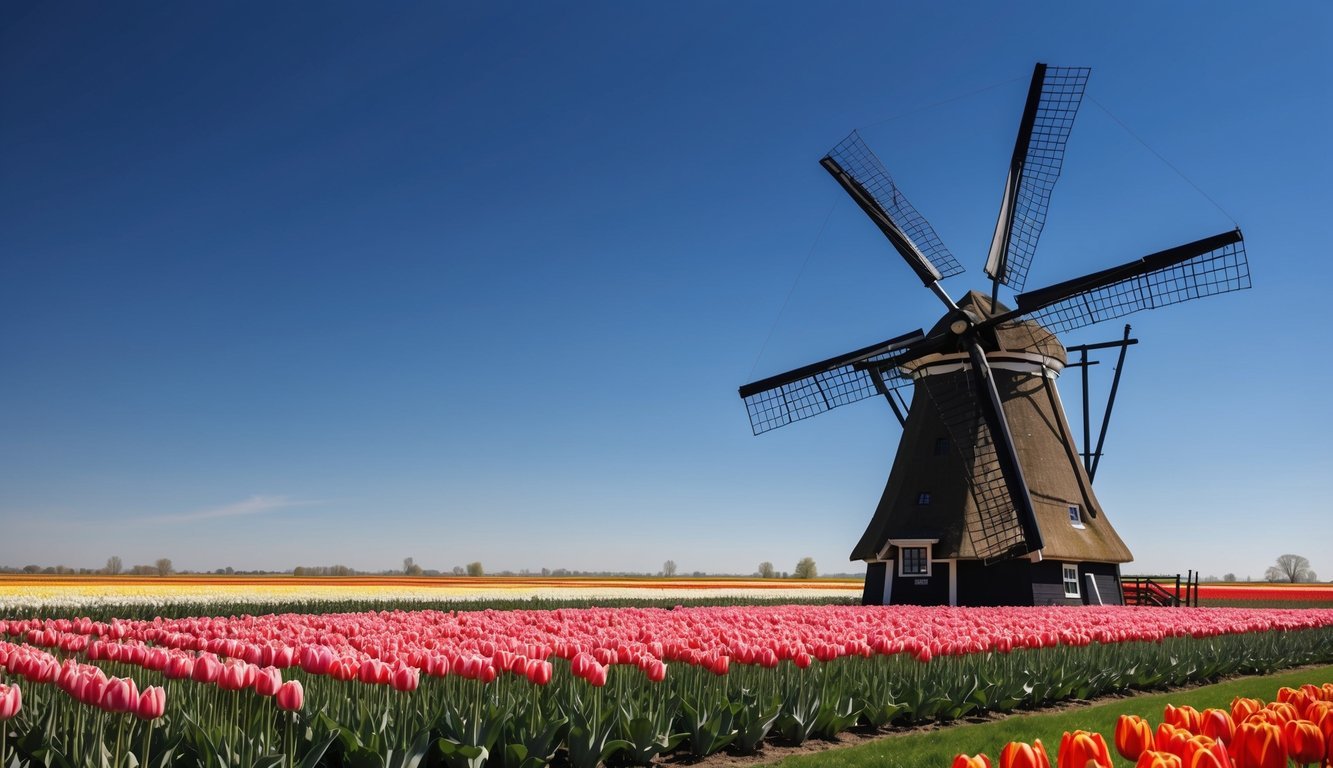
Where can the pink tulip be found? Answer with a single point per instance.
(290, 696)
(405, 679)
(120, 695)
(152, 703)
(11, 701)
(267, 681)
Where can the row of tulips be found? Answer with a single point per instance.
(1296, 728)
(511, 688)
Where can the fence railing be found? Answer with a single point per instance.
(1169, 591)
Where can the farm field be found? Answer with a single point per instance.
(587, 686)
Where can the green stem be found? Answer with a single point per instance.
(118, 757)
(147, 742)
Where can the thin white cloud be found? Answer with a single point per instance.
(255, 505)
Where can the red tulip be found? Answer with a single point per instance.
(976, 761)
(1304, 741)
(1217, 724)
(1133, 736)
(405, 679)
(11, 701)
(1204, 752)
(267, 681)
(1082, 749)
(233, 677)
(656, 671)
(120, 695)
(1242, 708)
(538, 672)
(1017, 754)
(290, 696)
(1170, 738)
(152, 703)
(596, 675)
(207, 668)
(1258, 744)
(1157, 759)
(1185, 717)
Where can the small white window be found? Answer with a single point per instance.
(1075, 516)
(1071, 580)
(914, 561)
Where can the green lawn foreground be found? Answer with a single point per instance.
(936, 749)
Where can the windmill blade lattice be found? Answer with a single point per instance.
(814, 389)
(1220, 270)
(856, 159)
(1038, 158)
(999, 533)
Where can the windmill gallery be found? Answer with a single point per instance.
(987, 502)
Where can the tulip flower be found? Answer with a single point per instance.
(1133, 736)
(290, 696)
(1185, 717)
(1170, 738)
(976, 761)
(1304, 741)
(1157, 759)
(11, 701)
(538, 672)
(1242, 708)
(1258, 744)
(121, 695)
(267, 681)
(656, 671)
(1017, 754)
(1204, 752)
(1217, 724)
(405, 679)
(152, 703)
(1082, 749)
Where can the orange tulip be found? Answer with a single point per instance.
(1258, 744)
(1217, 724)
(977, 761)
(1082, 749)
(1242, 708)
(1284, 710)
(1155, 759)
(1017, 754)
(1171, 739)
(1304, 741)
(1133, 736)
(1186, 717)
(1204, 752)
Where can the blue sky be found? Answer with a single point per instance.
(289, 284)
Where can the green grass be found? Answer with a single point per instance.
(937, 748)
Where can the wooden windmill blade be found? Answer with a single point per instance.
(970, 406)
(1206, 267)
(868, 183)
(813, 389)
(1048, 116)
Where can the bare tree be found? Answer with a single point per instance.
(1290, 568)
(669, 568)
(766, 570)
(805, 569)
(410, 567)
(163, 565)
(114, 565)
(475, 569)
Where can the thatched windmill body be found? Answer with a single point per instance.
(987, 502)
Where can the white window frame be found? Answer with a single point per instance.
(1077, 512)
(904, 544)
(1064, 575)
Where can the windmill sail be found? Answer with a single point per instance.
(1053, 101)
(870, 185)
(1205, 267)
(819, 387)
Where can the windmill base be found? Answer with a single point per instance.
(1012, 582)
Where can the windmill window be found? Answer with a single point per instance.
(1071, 580)
(922, 499)
(941, 446)
(1075, 516)
(914, 561)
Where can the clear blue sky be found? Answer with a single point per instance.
(293, 284)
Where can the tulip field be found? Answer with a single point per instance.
(1295, 728)
(582, 687)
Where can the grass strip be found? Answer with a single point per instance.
(937, 748)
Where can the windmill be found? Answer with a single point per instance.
(987, 502)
